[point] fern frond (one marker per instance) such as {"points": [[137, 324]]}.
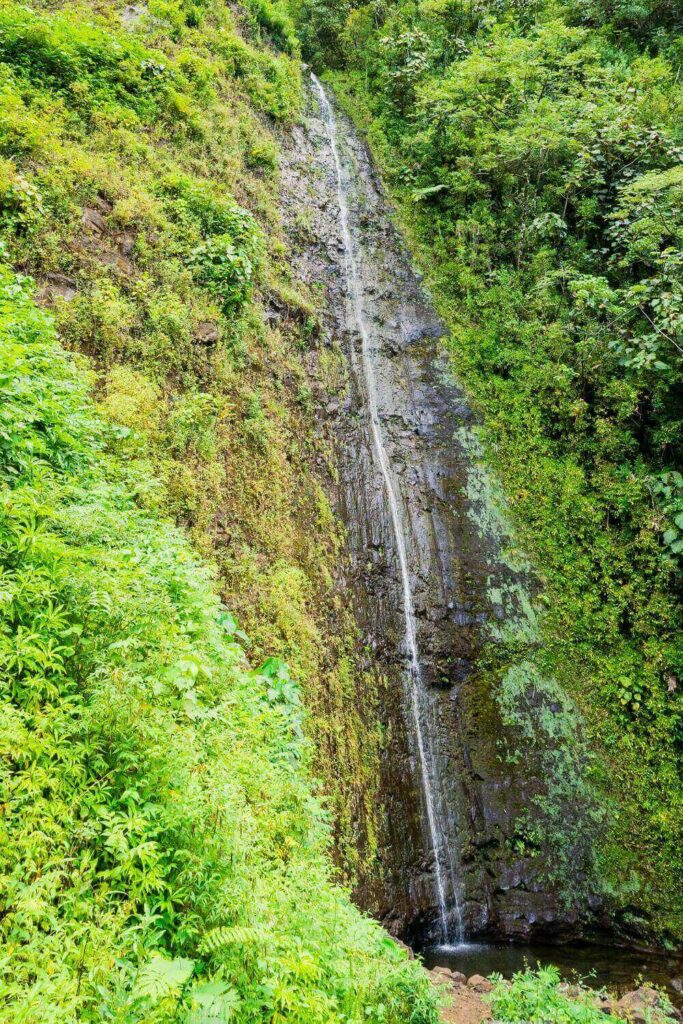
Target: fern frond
{"points": [[159, 978], [235, 935]]}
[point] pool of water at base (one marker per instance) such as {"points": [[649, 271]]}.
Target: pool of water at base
{"points": [[619, 970]]}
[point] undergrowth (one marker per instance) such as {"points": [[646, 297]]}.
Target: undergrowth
{"points": [[162, 854], [539, 996]]}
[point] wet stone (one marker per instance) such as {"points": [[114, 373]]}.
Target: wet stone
{"points": [[454, 563]]}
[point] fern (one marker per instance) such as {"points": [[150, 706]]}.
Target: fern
{"points": [[160, 978], [213, 1002], [236, 935]]}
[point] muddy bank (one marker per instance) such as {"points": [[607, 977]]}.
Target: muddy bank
{"points": [[379, 345]]}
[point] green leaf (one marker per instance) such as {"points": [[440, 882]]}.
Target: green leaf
{"points": [[160, 978]]}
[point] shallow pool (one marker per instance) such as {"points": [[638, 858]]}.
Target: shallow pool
{"points": [[612, 967]]}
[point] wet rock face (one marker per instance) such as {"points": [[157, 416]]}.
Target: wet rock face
{"points": [[457, 571]]}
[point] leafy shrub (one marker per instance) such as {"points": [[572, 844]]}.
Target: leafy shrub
{"points": [[156, 795], [54, 52], [535, 996], [225, 268]]}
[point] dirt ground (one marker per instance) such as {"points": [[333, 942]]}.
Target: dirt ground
{"points": [[465, 1007]]}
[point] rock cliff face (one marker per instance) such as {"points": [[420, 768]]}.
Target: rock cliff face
{"points": [[464, 587]]}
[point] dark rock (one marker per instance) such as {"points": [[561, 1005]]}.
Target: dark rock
{"points": [[60, 286], [127, 244], [459, 978], [93, 220]]}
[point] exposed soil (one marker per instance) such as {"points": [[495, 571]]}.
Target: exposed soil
{"points": [[465, 1007]]}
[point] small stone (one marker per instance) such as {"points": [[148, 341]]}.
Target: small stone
{"points": [[677, 985], [479, 984], [127, 244], [93, 220], [207, 333], [458, 978]]}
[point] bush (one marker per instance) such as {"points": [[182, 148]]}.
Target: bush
{"points": [[535, 996], [162, 856]]}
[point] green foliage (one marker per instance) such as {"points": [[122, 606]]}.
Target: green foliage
{"points": [[536, 996], [224, 264], [667, 490], [83, 63], [162, 854]]}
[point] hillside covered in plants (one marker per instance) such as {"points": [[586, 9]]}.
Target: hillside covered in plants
{"points": [[534, 150], [164, 849], [193, 727]]}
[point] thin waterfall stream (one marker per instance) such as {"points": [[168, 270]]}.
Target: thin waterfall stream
{"points": [[414, 672], [434, 586], [423, 573]]}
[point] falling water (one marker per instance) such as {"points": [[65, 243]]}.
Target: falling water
{"points": [[416, 687]]}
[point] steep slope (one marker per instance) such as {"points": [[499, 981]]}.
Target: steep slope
{"points": [[165, 852], [448, 862], [534, 152]]}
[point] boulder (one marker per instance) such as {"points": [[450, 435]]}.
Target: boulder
{"points": [[438, 977], [637, 1006], [127, 244], [58, 286], [479, 984], [444, 972]]}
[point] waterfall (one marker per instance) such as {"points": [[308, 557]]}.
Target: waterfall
{"points": [[415, 686]]}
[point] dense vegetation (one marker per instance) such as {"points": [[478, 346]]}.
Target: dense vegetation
{"points": [[164, 850], [540, 997], [534, 149], [163, 855]]}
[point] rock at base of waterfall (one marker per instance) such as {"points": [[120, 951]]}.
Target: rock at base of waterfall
{"points": [[479, 984]]}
